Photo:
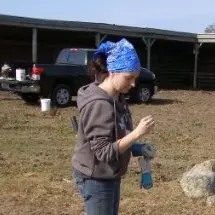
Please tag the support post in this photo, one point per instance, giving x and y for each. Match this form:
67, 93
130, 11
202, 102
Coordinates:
99, 39
148, 42
196, 52
34, 45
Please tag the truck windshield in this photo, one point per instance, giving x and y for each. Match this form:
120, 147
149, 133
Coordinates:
74, 56
77, 57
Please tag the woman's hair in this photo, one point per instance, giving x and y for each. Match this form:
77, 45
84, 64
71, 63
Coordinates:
97, 69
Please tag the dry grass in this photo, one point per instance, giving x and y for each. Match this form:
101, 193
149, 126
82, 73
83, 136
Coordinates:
35, 156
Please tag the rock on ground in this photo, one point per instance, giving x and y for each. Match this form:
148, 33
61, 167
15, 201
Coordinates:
200, 180
210, 200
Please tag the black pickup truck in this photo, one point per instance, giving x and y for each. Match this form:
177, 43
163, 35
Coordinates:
61, 81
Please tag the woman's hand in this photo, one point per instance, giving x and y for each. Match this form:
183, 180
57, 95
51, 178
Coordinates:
145, 125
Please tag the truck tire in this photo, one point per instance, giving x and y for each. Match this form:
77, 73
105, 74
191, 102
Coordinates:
29, 98
61, 95
143, 93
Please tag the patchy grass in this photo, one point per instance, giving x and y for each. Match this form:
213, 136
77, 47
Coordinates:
35, 156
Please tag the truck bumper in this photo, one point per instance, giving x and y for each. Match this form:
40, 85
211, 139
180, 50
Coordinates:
27, 86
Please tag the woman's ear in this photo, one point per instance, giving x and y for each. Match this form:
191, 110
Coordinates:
111, 74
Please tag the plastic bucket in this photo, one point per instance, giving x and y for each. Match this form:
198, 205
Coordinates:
20, 74
45, 104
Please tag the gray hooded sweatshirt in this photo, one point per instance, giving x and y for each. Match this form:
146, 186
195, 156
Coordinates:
102, 122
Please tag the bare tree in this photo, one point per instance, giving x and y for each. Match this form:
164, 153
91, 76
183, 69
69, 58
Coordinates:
210, 28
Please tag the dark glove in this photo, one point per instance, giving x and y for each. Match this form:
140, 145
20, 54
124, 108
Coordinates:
146, 150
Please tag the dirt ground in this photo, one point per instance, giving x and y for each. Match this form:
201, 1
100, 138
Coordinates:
35, 156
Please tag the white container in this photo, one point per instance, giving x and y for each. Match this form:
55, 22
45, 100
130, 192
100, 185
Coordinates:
20, 74
45, 104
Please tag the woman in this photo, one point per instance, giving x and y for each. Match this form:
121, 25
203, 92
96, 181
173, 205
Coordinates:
105, 133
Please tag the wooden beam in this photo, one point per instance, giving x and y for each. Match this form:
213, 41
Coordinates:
101, 28
34, 45
171, 37
206, 38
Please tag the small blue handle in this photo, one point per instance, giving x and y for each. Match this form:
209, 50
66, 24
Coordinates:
136, 149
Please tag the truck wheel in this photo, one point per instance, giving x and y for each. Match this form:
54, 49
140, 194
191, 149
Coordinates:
143, 94
61, 95
29, 98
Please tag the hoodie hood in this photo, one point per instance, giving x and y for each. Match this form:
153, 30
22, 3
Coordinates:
89, 93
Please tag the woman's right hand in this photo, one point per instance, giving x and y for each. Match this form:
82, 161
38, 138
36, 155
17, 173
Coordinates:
145, 125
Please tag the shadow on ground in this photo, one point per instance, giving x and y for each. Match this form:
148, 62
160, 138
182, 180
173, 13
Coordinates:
159, 101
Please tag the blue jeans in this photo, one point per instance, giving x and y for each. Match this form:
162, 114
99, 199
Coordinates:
101, 197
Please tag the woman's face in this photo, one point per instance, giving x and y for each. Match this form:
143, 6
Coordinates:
124, 81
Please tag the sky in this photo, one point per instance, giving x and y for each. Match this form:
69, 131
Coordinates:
182, 15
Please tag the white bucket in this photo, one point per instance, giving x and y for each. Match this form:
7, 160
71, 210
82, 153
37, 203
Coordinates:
45, 104
20, 74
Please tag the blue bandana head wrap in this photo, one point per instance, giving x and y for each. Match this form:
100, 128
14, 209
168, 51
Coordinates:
120, 56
